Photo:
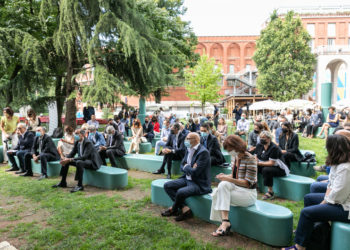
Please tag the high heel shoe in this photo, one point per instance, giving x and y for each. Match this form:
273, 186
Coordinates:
221, 232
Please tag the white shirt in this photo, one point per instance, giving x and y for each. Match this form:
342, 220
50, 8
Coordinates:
189, 159
243, 125
339, 179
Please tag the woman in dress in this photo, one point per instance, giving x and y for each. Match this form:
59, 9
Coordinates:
137, 133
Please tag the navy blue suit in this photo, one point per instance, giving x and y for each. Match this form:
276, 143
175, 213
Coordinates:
200, 183
149, 131
25, 144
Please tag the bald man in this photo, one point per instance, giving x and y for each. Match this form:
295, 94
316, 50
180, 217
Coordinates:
195, 180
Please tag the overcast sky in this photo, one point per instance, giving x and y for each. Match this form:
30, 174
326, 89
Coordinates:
243, 17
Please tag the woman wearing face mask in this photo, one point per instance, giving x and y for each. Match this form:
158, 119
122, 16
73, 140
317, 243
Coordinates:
289, 144
253, 138
66, 144
269, 160
137, 133
236, 189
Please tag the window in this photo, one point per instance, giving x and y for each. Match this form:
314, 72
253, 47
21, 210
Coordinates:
331, 30
311, 29
232, 69
331, 42
312, 43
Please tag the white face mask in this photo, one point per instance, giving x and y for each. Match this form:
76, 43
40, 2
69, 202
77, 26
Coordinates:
233, 153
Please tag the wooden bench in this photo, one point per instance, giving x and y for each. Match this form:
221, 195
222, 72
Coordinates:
145, 147
106, 177
266, 222
292, 187
340, 236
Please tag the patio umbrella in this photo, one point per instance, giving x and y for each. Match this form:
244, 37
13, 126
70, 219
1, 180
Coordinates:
298, 104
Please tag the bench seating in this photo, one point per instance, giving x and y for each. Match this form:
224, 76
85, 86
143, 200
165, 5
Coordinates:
154, 141
340, 236
53, 167
292, 187
1, 153
106, 177
145, 147
330, 131
56, 140
302, 168
266, 222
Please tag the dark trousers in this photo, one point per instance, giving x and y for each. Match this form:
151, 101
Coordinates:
44, 159
319, 186
315, 212
311, 129
80, 165
149, 137
180, 189
20, 155
111, 154
270, 172
216, 122
288, 158
168, 159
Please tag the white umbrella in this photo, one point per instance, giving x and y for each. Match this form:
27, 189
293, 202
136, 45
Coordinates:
267, 104
298, 104
342, 103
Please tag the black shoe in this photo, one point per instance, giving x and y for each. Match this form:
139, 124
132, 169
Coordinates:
42, 177
27, 174
159, 171
168, 176
76, 189
184, 216
20, 172
61, 185
169, 212
12, 169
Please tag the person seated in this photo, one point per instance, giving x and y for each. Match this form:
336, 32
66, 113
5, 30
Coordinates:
65, 145
211, 143
83, 155
331, 122
237, 188
191, 126
242, 126
278, 130
110, 122
137, 132
126, 121
148, 131
156, 126
174, 149
265, 126
196, 179
94, 122
197, 125
24, 145
269, 160
32, 120
96, 137
253, 138
213, 131
272, 120
289, 145
258, 118
44, 149
315, 121
163, 137
114, 147
332, 205
120, 125
222, 129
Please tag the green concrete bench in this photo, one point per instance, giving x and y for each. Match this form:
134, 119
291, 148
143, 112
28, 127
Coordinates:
154, 141
145, 147
106, 177
340, 236
53, 168
227, 156
56, 140
292, 187
302, 168
330, 131
215, 170
266, 222
1, 153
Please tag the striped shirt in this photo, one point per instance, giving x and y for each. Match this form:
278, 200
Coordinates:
247, 170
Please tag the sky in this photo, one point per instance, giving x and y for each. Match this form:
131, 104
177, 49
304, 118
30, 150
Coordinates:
243, 17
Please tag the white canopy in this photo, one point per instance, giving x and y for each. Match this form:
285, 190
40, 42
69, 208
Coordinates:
267, 104
342, 103
298, 104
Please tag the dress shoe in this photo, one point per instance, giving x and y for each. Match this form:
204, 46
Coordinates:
184, 216
168, 176
159, 171
27, 174
12, 169
42, 177
61, 185
76, 189
169, 212
20, 172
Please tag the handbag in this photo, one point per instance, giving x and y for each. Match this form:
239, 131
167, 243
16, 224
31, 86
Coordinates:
143, 139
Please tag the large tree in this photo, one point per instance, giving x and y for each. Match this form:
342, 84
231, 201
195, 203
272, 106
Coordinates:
284, 59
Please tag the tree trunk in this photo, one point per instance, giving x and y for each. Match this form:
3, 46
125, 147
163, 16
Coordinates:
59, 93
158, 96
203, 104
70, 118
9, 94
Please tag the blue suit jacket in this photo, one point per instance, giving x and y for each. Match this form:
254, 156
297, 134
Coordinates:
99, 140
25, 141
201, 174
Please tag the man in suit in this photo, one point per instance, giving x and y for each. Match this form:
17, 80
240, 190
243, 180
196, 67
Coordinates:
195, 181
114, 146
148, 130
87, 157
211, 143
25, 144
96, 137
44, 149
173, 150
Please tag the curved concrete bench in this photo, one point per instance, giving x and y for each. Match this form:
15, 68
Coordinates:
145, 147
302, 168
340, 236
106, 177
330, 131
292, 187
154, 141
269, 223
56, 140
1, 153
53, 168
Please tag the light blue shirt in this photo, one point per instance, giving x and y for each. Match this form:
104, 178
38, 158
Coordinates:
243, 125
95, 123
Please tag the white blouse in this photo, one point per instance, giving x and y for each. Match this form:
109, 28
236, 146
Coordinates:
339, 179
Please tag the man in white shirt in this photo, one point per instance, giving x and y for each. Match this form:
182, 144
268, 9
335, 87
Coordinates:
94, 122
242, 126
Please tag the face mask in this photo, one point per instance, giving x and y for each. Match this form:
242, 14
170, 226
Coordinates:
204, 134
284, 130
76, 137
263, 141
243, 118
38, 134
172, 131
256, 131
146, 121
233, 153
187, 144
91, 134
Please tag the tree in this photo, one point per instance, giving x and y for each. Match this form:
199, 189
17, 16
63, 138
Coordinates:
203, 81
284, 59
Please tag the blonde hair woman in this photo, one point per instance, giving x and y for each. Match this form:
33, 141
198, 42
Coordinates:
137, 133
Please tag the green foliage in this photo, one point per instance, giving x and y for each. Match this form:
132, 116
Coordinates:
284, 59
203, 81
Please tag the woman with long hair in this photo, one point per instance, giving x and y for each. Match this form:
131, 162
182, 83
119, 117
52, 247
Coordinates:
8, 125
137, 133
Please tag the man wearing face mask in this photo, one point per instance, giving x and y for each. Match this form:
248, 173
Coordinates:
96, 137
44, 149
148, 130
242, 126
195, 181
253, 138
174, 149
114, 146
211, 143
83, 155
